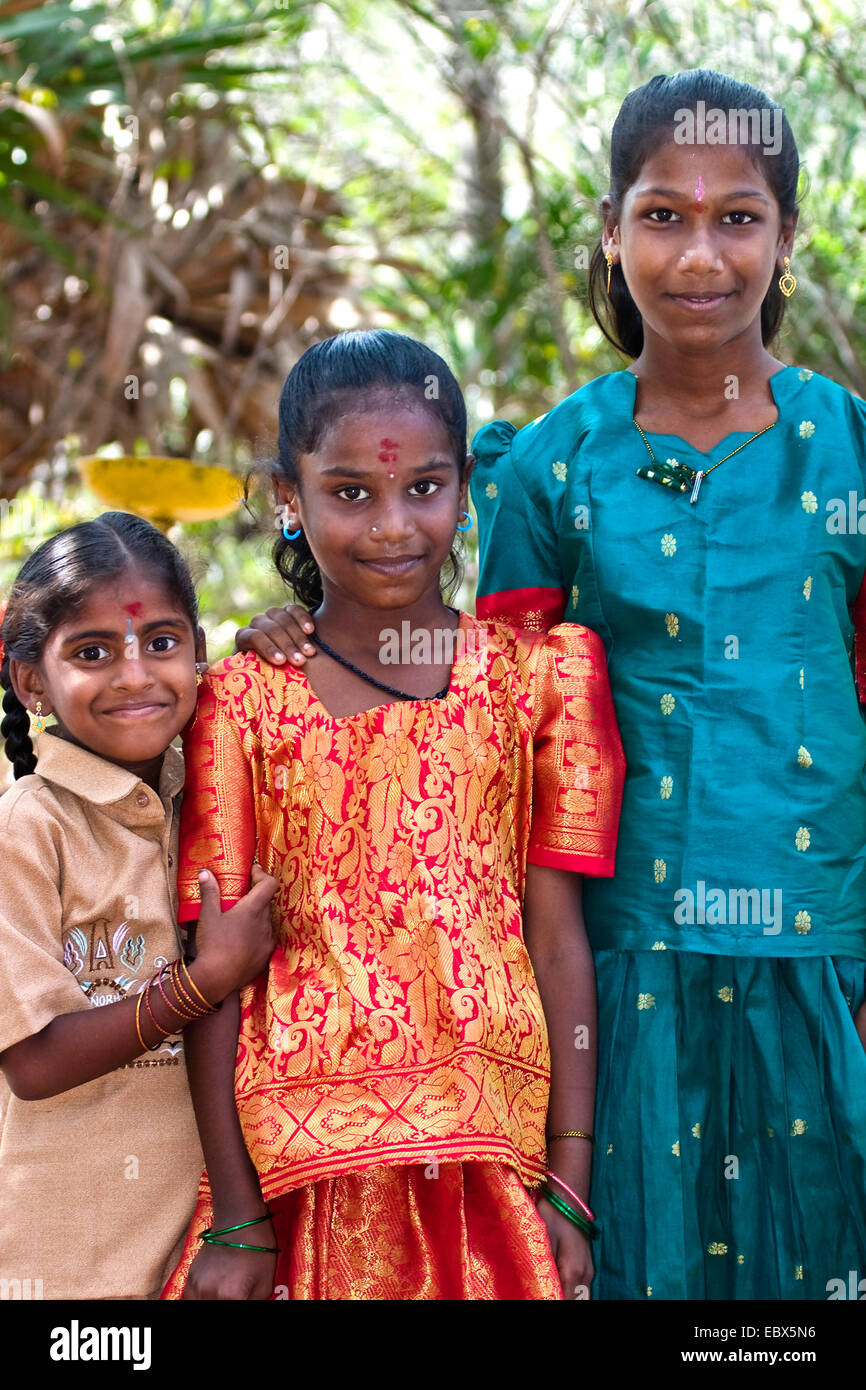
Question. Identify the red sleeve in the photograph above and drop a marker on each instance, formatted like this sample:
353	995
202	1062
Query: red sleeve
536	610
217	823
860	641
579	766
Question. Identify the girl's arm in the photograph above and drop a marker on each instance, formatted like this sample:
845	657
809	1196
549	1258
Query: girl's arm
277	633
224	1272
561	958
78	1047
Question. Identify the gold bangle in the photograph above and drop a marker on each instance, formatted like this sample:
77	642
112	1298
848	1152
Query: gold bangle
571	1134
182	996
144	1046
185	970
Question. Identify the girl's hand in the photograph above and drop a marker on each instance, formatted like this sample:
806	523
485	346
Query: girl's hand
571	1250
222	1272
234	947
278	632
860	1022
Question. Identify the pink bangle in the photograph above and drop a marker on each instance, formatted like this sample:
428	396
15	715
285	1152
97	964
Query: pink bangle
580	1202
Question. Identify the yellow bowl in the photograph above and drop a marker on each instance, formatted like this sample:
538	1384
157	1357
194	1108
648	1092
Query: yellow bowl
163	489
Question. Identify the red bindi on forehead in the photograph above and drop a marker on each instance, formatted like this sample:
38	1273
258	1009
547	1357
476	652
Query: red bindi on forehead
133	609
388	450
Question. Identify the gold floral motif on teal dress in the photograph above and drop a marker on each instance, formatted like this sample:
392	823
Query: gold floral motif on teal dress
560	472
660	869
646	1001
802	839
669	544
726	994
804	757
667	703
798	1127
697	1130
809	501
666	787
807	587
717	1247
659	946
672	623
491	491
806	430
675	1149
802	923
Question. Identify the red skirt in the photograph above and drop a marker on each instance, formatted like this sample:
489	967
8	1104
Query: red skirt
466	1231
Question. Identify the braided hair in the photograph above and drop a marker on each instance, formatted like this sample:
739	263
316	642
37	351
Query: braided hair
57	580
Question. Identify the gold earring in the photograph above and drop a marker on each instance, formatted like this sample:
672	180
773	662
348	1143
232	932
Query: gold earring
609	259
787	282
37	720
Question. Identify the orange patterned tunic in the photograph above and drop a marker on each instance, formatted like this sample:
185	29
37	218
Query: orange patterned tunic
399	1020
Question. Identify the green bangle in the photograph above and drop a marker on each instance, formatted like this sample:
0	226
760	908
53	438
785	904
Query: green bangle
573	1216
236	1244
239	1227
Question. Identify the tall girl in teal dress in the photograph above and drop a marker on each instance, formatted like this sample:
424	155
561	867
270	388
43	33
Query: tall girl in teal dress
730	947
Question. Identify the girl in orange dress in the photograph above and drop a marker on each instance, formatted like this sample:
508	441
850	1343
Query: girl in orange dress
428	793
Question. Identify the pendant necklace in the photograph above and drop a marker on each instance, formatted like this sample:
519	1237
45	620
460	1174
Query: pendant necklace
679	475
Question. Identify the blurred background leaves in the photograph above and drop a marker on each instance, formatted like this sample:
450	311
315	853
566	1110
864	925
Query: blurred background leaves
190	194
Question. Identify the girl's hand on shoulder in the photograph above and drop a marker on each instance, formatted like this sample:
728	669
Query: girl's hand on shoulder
277	634
225	1273
571	1250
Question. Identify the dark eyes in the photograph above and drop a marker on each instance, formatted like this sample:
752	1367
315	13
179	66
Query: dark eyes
667	215
94	652
355	493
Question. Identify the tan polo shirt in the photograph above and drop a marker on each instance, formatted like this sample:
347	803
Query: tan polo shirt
96	1185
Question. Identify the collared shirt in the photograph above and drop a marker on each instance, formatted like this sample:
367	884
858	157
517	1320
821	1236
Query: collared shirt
96	1184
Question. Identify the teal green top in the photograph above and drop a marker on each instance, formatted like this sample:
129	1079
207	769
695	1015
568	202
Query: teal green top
729	633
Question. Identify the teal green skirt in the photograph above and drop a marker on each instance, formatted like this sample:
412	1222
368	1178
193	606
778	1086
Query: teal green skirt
730	1158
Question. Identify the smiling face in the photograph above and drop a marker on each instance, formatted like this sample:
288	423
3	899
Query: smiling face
699	237
119	675
379	502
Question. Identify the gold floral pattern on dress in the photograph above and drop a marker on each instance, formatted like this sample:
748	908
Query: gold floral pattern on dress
802	839
740	1259
771	1133
666	786
806	430
674	461
659	946
675	1149
807	587
667	703
660	870
798	1271
804	757
560	471
809	501
805	373
798	1127
802	672
802	923
575	595
726	994
672	623
646	1001
717	1247
697	1130
669	544
610	1148
649	1290
491	491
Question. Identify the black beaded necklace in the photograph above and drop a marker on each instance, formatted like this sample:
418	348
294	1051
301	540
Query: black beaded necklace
371	680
